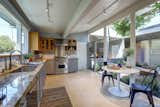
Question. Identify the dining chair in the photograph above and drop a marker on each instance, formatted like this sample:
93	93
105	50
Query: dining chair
144	87
106	74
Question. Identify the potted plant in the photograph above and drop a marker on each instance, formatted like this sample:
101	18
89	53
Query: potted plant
128	54
28	57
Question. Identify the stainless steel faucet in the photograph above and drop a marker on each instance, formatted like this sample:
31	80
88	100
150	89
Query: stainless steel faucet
10	57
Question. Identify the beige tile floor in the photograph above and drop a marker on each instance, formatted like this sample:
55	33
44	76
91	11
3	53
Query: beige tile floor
84	90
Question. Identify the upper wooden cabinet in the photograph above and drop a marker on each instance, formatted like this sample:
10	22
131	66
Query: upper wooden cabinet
38	43
47	44
34	41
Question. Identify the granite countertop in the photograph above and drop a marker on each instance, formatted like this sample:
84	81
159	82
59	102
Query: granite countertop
14	86
67	57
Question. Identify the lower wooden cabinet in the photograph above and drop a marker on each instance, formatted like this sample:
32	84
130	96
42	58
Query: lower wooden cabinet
23	102
50	67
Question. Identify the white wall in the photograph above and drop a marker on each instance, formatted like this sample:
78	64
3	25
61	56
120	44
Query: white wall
82	55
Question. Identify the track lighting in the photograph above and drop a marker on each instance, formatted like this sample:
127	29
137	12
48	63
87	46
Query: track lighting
47	10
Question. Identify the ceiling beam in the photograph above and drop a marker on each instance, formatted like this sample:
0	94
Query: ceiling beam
135	7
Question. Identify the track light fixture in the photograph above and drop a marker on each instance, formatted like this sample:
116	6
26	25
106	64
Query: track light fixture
47	10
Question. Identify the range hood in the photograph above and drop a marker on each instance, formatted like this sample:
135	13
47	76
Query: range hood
60	42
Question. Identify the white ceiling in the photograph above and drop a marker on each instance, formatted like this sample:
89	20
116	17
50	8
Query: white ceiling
70	16
61	11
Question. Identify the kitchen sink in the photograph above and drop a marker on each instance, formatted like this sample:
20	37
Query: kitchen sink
27	68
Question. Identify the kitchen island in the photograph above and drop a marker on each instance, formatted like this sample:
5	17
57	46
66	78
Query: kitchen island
17	87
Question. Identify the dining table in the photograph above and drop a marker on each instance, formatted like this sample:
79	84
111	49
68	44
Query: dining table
117	90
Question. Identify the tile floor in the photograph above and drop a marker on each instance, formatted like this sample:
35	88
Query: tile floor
84	90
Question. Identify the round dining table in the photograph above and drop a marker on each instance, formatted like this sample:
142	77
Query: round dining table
117	90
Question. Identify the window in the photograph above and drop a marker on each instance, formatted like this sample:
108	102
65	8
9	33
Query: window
8	36
13	35
24	40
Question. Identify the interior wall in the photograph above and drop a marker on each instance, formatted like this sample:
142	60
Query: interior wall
50	35
82	39
155	52
82	55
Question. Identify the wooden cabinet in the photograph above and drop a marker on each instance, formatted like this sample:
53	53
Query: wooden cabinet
34	41
40	44
72	65
71	42
47	44
50	66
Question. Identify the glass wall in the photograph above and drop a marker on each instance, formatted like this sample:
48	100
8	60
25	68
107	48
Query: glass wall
155	52
143	52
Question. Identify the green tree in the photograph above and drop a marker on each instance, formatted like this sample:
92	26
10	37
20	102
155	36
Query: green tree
122	27
6	44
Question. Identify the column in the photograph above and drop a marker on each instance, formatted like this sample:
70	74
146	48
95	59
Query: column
106	44
95	55
133	46
133	38
88	37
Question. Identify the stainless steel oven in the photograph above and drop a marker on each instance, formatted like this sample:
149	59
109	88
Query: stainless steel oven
61	65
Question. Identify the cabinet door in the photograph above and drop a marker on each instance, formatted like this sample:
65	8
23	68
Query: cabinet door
51	44
41	44
22	103
33	96
72	65
34	40
47	45
50	67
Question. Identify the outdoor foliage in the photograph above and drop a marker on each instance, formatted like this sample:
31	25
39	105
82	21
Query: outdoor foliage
156	6
122	27
129	52
6	44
